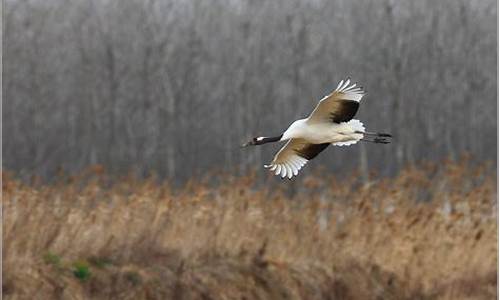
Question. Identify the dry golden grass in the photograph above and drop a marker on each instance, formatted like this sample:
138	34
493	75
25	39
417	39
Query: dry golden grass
429	233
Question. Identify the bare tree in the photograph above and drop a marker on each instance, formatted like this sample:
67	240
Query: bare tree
174	87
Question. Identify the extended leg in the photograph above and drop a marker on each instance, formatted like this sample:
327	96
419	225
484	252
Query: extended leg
378	134
378	140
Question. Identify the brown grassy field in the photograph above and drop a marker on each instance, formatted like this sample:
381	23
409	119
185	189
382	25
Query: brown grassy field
428	233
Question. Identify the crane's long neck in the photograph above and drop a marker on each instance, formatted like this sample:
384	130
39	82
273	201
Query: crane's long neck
263	139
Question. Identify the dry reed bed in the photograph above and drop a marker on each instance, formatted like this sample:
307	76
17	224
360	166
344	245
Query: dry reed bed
429	233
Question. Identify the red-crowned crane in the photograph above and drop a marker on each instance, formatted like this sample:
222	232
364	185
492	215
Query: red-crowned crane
331	122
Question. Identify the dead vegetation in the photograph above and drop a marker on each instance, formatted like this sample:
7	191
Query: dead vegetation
429	233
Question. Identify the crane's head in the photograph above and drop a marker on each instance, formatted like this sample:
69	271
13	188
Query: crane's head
255	141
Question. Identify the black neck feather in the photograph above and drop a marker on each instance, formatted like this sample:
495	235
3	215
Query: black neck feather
268	140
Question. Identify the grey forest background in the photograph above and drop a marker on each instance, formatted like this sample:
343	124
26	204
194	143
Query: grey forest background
174	87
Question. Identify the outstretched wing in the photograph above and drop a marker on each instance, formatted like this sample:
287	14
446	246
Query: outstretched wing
293	156
339	106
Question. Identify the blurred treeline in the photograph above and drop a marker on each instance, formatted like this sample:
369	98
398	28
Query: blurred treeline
175	87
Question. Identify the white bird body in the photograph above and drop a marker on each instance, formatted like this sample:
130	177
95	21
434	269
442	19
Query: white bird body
331	122
320	133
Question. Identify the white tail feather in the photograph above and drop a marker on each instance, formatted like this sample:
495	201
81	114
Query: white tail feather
356	125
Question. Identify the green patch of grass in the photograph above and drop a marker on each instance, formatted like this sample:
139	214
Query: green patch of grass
52	259
81	270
